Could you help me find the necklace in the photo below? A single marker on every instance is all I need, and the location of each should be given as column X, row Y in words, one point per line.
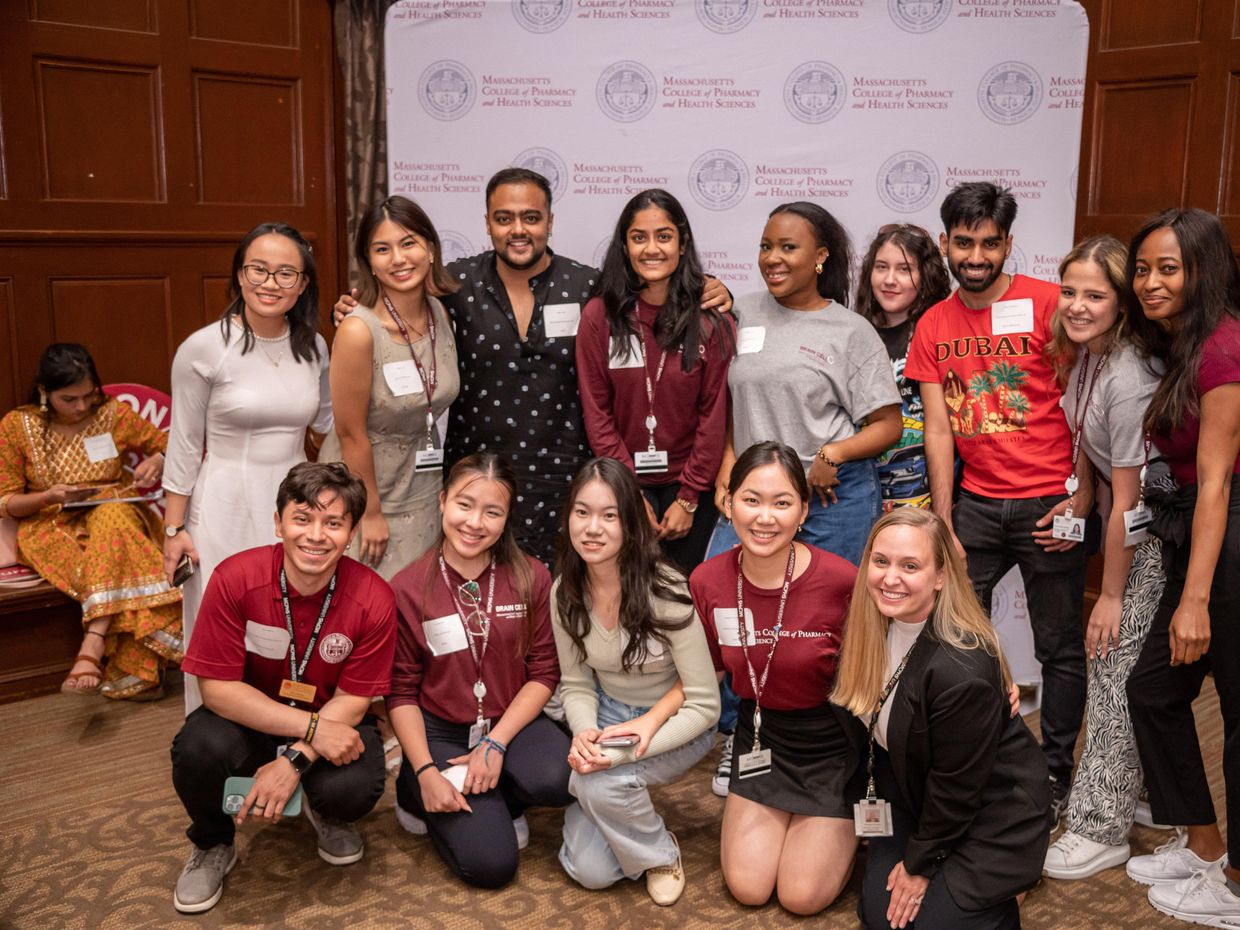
column 274, row 359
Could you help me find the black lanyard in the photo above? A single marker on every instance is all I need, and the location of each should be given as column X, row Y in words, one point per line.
column 759, row 684
column 882, row 699
column 295, row 670
column 428, row 383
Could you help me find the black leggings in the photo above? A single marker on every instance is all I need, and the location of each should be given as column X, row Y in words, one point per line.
column 687, row 553
column 481, row 848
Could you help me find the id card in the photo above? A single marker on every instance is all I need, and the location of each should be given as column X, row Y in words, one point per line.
column 1137, row 525
column 872, row 817
column 561, row 320
column 428, row 460
column 649, row 463
column 100, row 448
column 753, row 763
column 480, row 729
column 750, row 339
column 297, row 691
column 1011, row 316
column 1070, row 528
column 402, row 378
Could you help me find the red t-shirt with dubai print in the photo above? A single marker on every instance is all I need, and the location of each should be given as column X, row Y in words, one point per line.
column 1002, row 396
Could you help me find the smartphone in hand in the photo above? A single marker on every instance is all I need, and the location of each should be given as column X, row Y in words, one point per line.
column 618, row 742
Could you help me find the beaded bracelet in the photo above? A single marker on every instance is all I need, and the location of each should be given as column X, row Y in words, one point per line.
column 422, row 768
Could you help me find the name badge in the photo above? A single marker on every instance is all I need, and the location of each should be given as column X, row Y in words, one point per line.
column 480, row 729
column 728, row 630
column 753, row 763
column 1137, row 525
column 1011, row 316
column 270, row 642
column 561, row 320
column 634, row 359
column 428, row 460
column 649, row 463
column 402, row 378
column 1070, row 528
column 100, row 448
column 301, row 691
column 750, row 339
column 872, row 817
column 445, row 635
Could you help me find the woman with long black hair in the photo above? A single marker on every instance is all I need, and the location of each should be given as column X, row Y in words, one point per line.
column 652, row 366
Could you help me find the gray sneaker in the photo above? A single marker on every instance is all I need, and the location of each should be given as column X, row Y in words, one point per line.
column 339, row 843
column 201, row 884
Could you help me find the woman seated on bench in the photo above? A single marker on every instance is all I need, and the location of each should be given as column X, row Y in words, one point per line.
column 67, row 445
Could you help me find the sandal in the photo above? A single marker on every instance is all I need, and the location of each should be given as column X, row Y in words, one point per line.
column 132, row 688
column 70, row 684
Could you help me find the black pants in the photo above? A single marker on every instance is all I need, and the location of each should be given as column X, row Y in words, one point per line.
column 996, row 535
column 1160, row 696
column 481, row 848
column 687, row 553
column 939, row 910
column 210, row 749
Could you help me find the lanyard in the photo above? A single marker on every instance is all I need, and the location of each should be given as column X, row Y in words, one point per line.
column 295, row 670
column 478, row 653
column 1079, row 430
column 882, row 699
column 428, row 384
column 1145, row 470
column 651, row 387
column 759, row 684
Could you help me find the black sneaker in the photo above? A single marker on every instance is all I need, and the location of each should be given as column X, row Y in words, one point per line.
column 1059, row 800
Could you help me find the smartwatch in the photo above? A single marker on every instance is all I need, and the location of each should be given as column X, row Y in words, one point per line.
column 170, row 530
column 297, row 759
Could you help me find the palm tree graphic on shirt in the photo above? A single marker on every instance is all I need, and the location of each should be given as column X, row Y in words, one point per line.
column 990, row 402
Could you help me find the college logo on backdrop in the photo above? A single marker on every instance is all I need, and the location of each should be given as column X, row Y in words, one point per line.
column 908, row 182
column 547, row 163
column 815, row 92
column 919, row 15
column 725, row 16
column 447, row 90
column 600, row 252
column 454, row 246
column 626, row 91
column 1010, row 92
column 542, row 15
column 1016, row 263
column 718, row 179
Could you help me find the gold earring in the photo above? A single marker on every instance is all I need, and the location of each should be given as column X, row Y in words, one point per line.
column 818, row 268
column 42, row 401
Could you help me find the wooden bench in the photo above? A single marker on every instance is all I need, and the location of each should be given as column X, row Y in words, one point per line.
column 41, row 630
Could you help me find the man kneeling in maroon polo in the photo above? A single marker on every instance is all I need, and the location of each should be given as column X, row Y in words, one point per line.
column 292, row 642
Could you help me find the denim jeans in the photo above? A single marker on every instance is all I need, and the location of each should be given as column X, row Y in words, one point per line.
column 841, row 528
column 996, row 535
column 613, row 831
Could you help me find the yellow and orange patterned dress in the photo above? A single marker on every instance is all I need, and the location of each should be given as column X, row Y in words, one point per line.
column 109, row 557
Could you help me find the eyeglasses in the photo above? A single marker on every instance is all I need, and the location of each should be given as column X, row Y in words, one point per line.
column 258, row 275
column 477, row 623
column 903, row 227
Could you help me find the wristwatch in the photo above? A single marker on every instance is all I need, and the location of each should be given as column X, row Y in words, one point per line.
column 686, row 506
column 297, row 759
column 170, row 530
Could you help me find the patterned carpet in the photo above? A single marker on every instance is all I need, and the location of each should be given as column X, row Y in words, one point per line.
column 91, row 836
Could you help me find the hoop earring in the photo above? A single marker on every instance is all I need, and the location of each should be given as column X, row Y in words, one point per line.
column 818, row 268
column 42, row 401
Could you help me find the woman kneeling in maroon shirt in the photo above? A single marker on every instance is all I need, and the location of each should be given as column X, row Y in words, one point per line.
column 475, row 663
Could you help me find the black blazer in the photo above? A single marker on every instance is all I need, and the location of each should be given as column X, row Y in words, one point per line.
column 973, row 777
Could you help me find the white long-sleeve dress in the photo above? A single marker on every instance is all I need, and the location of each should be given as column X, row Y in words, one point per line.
column 238, row 426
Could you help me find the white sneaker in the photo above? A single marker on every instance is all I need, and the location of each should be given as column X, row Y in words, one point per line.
column 723, row 774
column 412, row 823
column 521, row 827
column 1201, row 899
column 1144, row 816
column 1076, row 856
column 1170, row 862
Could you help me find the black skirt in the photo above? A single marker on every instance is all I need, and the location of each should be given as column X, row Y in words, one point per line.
column 815, row 769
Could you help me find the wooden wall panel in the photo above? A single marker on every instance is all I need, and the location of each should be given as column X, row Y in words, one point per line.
column 1154, row 111
column 128, row 15
column 251, row 122
column 1127, row 25
column 118, row 158
column 10, row 389
column 243, row 21
column 93, row 308
column 1229, row 196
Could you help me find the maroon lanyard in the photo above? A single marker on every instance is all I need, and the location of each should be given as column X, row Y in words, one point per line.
column 428, row 383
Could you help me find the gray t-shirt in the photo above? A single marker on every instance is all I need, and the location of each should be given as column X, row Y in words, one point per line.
column 1113, row 436
column 804, row 377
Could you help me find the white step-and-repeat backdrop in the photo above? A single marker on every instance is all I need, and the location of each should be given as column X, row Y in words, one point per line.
column 873, row 108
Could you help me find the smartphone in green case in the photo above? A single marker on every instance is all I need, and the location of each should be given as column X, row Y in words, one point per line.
column 236, row 789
